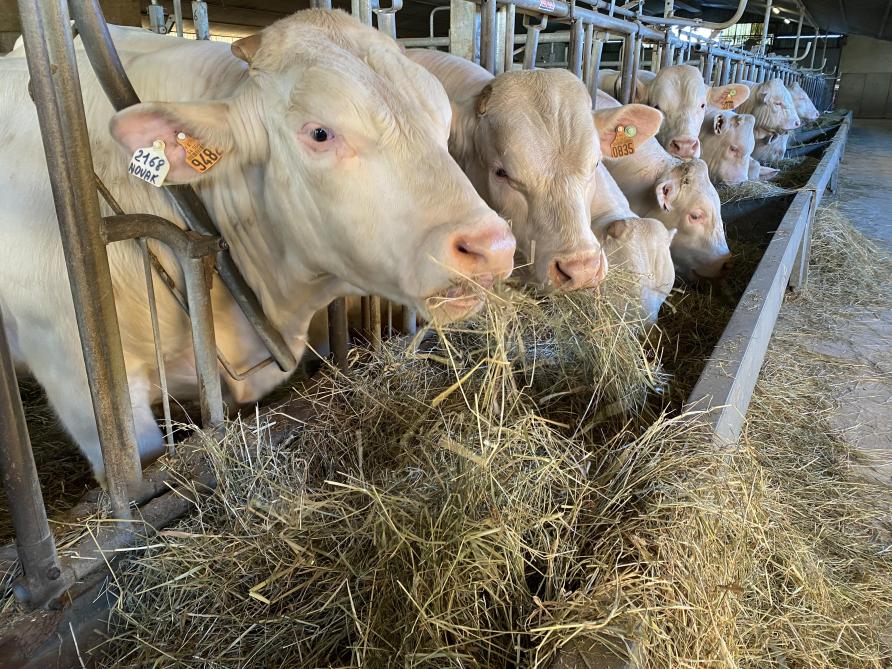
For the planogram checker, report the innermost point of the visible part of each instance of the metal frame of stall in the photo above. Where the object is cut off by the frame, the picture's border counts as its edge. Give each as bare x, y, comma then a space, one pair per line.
482, 31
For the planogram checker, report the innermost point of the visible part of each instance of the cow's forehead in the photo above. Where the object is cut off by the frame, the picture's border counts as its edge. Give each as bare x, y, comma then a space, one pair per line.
683, 82
542, 119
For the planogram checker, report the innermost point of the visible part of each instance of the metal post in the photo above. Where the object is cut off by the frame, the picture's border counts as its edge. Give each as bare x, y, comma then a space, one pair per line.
597, 51
488, 35
203, 341
532, 46
410, 318
763, 46
320, 4
463, 36
508, 42
708, 67
387, 17
200, 19
574, 53
60, 110
157, 24
34, 541
178, 16
814, 51
375, 307
628, 70
798, 35
587, 45
337, 332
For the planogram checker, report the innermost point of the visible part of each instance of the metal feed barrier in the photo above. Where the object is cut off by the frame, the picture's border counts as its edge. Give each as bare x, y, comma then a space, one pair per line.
482, 31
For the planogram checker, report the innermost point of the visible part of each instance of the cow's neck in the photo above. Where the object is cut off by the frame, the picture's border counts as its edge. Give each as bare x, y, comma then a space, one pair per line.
638, 175
609, 203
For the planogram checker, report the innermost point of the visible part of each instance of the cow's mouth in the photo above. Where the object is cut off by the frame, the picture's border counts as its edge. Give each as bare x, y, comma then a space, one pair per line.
461, 300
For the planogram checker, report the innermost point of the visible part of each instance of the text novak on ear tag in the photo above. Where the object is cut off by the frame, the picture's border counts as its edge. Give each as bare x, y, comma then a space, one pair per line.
199, 158
150, 164
624, 141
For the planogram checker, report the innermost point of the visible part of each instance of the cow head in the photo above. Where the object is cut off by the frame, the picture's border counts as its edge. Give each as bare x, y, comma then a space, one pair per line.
727, 143
805, 108
642, 247
680, 93
772, 105
688, 202
533, 158
335, 163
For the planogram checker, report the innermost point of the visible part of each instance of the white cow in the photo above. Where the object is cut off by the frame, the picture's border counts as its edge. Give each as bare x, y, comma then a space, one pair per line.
679, 194
772, 105
335, 179
527, 140
681, 94
641, 246
728, 142
805, 108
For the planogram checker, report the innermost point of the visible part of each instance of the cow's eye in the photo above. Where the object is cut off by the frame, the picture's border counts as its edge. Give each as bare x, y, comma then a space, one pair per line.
321, 134
657, 107
696, 216
501, 173
702, 105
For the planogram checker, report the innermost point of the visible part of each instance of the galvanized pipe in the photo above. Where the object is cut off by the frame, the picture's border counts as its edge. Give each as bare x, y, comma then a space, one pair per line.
629, 72
575, 52
57, 94
200, 19
488, 35
337, 332
798, 35
110, 72
508, 48
178, 16
532, 42
320, 4
410, 318
387, 17
34, 540
763, 46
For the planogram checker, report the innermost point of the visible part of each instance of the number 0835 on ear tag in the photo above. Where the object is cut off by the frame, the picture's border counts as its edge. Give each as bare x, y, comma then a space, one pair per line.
624, 141
150, 164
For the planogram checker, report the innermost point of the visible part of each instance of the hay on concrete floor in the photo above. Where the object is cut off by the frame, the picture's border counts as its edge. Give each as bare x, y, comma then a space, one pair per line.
473, 506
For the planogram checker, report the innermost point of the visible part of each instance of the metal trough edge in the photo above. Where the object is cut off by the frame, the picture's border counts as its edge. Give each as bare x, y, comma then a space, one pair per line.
726, 385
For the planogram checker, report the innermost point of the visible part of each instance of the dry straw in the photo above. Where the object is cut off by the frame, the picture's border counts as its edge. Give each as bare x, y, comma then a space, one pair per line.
507, 495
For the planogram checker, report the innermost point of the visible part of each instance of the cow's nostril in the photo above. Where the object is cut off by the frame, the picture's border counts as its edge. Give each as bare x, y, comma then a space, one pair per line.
561, 275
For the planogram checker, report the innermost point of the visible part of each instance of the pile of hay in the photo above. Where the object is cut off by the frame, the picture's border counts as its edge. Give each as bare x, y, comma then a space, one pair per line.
794, 174
496, 499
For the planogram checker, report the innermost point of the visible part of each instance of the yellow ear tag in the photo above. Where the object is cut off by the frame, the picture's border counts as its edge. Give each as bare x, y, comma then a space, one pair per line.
728, 100
623, 143
199, 158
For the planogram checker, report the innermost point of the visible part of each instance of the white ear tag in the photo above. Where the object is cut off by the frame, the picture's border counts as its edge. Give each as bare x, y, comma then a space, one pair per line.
150, 164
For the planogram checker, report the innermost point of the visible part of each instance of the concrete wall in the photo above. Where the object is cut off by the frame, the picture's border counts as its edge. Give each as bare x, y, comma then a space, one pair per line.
121, 12
865, 84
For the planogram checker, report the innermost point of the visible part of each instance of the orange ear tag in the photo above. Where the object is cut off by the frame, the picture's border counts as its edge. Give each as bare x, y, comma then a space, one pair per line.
728, 100
199, 158
624, 142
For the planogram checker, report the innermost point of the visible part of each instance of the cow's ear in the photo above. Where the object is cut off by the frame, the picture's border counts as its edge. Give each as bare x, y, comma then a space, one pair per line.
618, 229
666, 192
482, 101
139, 126
645, 121
732, 94
641, 91
245, 48
766, 173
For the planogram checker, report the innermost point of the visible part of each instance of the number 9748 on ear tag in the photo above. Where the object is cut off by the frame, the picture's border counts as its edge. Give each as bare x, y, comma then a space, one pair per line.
150, 164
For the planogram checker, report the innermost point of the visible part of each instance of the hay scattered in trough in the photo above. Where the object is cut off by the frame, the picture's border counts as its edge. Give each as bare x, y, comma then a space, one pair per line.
490, 501
794, 174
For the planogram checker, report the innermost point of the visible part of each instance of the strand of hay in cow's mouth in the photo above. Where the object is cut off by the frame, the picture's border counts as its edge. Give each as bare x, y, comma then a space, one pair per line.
490, 502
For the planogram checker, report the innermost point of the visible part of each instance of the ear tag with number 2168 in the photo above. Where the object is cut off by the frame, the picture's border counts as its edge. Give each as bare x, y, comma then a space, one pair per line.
150, 164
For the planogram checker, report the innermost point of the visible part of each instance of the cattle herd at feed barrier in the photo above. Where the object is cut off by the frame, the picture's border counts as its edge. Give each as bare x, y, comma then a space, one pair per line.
320, 159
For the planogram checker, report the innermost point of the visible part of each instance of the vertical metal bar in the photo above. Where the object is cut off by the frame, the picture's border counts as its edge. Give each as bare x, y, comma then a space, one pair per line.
499, 38
387, 17
156, 336
410, 318
156, 18
34, 541
320, 4
375, 308
708, 68
337, 331
488, 35
56, 89
204, 342
574, 53
365, 317
389, 318
798, 35
763, 46
200, 19
178, 16
628, 70
587, 45
508, 42
814, 51
597, 51
462, 29
531, 48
